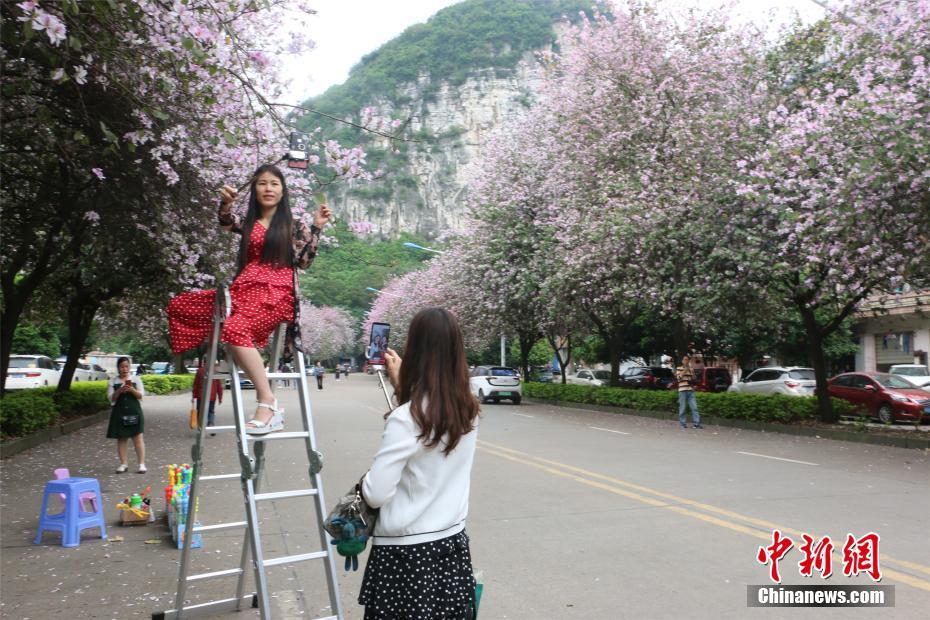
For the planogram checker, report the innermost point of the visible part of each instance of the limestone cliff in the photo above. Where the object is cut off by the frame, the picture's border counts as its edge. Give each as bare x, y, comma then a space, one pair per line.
455, 79
426, 195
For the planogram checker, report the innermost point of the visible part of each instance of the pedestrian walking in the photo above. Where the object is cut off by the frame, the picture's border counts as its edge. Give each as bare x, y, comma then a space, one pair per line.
686, 398
319, 371
264, 293
126, 419
216, 390
420, 562
338, 370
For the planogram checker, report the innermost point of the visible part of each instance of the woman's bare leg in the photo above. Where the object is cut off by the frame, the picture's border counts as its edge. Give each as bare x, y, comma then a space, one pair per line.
140, 447
251, 363
122, 449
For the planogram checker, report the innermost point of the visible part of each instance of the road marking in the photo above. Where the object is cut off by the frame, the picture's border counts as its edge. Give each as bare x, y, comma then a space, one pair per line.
522, 415
597, 428
776, 458
766, 526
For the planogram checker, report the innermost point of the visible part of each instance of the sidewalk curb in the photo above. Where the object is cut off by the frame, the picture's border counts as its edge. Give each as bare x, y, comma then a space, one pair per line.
768, 427
21, 444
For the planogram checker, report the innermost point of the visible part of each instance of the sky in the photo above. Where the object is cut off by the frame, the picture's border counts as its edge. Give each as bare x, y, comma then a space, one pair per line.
346, 30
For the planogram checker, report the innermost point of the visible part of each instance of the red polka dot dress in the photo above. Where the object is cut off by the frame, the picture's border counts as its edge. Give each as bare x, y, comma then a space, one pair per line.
262, 298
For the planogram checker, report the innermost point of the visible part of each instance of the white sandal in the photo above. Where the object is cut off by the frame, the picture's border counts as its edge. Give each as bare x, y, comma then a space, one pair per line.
276, 422
122, 469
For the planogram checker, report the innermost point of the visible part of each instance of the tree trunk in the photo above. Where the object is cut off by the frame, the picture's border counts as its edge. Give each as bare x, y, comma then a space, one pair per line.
9, 319
80, 319
614, 349
526, 340
815, 339
568, 353
680, 337
179, 367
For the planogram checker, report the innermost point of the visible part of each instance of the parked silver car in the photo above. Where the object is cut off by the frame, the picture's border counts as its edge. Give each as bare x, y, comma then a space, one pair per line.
918, 374
787, 380
586, 376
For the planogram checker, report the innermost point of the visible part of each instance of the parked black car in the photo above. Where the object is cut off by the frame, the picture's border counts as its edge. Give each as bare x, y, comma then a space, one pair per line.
648, 377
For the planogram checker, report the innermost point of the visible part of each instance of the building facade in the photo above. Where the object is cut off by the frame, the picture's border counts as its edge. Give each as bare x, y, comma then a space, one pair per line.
893, 329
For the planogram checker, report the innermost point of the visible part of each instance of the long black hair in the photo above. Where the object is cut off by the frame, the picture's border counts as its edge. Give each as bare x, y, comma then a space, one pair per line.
278, 249
435, 372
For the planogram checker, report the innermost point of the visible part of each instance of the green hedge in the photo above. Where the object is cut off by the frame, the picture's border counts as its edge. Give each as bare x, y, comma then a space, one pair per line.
165, 384
760, 407
27, 411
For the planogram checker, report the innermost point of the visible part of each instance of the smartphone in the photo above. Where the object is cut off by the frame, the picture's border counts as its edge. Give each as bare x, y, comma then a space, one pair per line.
378, 342
297, 153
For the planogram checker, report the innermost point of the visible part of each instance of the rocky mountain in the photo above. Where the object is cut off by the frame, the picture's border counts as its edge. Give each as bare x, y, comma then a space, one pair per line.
452, 81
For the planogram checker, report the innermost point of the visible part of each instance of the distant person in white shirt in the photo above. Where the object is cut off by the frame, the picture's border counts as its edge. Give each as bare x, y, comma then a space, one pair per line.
420, 562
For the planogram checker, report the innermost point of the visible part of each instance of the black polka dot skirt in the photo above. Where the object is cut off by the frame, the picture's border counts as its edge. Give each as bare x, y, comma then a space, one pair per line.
427, 581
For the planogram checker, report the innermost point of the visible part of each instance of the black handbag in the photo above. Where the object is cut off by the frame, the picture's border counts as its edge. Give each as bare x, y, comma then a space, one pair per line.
351, 523
131, 420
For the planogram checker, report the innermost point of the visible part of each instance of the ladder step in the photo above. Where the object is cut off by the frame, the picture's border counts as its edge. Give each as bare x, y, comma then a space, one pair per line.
289, 559
220, 477
214, 575
279, 435
284, 494
283, 375
212, 608
221, 429
220, 526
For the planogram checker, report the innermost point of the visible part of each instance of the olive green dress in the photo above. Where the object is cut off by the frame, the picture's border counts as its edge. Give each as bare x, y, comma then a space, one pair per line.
126, 404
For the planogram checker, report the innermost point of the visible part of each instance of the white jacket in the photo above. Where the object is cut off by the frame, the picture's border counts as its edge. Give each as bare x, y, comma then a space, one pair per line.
422, 493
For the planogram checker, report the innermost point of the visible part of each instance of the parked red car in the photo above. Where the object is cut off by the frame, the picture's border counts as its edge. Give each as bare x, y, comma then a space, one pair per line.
885, 396
709, 379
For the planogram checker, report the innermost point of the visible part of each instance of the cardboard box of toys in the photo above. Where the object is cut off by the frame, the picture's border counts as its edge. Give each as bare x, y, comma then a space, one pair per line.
137, 509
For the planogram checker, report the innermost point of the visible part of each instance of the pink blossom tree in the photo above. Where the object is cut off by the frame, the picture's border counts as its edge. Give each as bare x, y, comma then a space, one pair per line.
327, 332
836, 205
121, 120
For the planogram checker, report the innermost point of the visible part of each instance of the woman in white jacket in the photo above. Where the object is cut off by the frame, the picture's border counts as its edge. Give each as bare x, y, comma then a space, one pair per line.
420, 564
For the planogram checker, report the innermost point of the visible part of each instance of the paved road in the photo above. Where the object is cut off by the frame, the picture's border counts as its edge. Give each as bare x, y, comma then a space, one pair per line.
574, 514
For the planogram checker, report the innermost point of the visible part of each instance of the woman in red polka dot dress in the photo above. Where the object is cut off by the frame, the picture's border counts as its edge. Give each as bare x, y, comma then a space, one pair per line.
264, 293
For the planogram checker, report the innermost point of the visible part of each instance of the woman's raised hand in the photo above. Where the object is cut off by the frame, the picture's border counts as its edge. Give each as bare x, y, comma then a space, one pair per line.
392, 362
321, 217
228, 195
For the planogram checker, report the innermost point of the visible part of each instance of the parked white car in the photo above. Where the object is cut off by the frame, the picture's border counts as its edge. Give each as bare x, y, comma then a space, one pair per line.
790, 381
917, 374
84, 370
31, 371
589, 377
493, 383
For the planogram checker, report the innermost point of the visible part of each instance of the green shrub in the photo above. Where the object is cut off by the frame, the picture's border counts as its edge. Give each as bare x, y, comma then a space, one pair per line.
27, 411
733, 405
165, 384
82, 399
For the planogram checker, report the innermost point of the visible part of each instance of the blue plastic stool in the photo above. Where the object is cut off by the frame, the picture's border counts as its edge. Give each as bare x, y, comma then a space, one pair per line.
74, 518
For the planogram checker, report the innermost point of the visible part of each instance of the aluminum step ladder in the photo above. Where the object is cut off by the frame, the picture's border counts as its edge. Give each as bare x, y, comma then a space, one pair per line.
252, 465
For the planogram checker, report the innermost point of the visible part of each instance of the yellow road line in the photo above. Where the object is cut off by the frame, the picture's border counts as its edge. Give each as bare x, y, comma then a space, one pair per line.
549, 466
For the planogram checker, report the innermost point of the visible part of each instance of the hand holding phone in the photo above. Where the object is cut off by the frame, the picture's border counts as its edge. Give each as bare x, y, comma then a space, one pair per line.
392, 362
